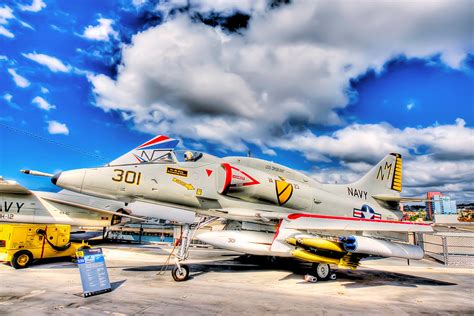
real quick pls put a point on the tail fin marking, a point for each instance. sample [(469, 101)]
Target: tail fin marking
[(385, 178), (397, 175)]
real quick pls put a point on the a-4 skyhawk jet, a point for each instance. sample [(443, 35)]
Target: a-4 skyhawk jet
[(274, 210)]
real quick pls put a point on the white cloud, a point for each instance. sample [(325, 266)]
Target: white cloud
[(54, 127), (410, 106), (228, 6), (138, 3), (224, 7), (35, 6), (3, 57), (20, 81), (44, 90), (7, 97), (6, 13), (43, 104), (292, 64), (26, 25), (57, 28), (54, 64), (289, 69), (421, 174), (368, 142), (101, 32), (5, 32), (445, 163)]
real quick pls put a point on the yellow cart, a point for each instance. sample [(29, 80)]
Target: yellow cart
[(21, 244)]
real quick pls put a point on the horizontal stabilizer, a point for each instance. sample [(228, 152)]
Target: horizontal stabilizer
[(401, 199)]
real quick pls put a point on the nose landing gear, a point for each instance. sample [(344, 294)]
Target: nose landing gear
[(180, 272)]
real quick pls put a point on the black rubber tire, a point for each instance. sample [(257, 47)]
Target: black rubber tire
[(180, 275), (22, 259), (322, 271)]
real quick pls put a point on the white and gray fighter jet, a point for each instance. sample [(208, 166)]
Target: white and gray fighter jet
[(278, 211)]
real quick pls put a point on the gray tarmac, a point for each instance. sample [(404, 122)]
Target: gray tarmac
[(226, 283)]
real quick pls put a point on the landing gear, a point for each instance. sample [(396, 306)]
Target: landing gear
[(323, 272), (180, 272)]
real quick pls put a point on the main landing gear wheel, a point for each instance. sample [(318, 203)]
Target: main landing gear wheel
[(180, 273), (323, 271)]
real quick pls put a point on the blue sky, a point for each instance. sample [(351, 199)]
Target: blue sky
[(82, 82)]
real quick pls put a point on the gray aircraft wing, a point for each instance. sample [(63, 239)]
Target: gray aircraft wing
[(12, 187), (90, 208), (306, 221), (302, 221)]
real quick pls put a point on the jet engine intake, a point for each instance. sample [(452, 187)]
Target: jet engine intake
[(254, 185)]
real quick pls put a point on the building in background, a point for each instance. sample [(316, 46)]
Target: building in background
[(439, 204)]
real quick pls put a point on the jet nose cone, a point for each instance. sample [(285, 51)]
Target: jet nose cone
[(55, 178), (70, 180)]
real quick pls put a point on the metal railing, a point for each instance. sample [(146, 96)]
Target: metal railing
[(451, 249)]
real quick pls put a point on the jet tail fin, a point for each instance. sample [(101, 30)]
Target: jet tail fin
[(385, 179), (158, 148)]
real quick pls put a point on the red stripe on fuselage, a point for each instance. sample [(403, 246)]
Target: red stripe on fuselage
[(300, 215)]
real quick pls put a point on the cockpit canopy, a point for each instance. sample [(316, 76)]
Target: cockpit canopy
[(187, 155), (181, 156)]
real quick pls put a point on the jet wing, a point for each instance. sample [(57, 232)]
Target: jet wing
[(306, 221), (246, 215), (302, 221), (90, 208), (12, 187)]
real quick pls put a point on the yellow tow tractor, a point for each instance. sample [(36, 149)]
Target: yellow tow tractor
[(21, 244)]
